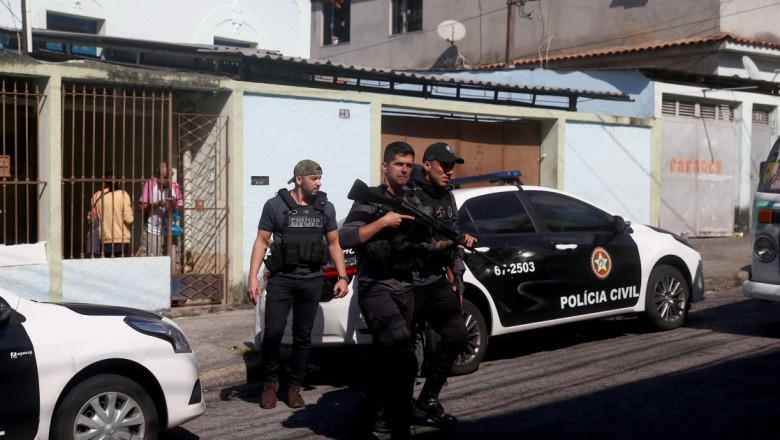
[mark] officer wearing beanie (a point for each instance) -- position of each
(437, 297)
(295, 222)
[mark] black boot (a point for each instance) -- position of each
(429, 409)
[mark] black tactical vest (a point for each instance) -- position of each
(400, 249)
(438, 206)
(303, 240)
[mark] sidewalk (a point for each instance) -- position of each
(223, 339)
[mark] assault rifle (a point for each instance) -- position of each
(360, 192)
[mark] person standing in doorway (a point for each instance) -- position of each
(296, 222)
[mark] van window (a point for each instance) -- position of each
(770, 172)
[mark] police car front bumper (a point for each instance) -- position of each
(757, 290)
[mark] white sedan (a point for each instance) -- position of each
(83, 371)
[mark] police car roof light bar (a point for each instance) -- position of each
(502, 177)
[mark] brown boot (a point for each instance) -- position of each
(268, 397)
(294, 399)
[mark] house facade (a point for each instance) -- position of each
(232, 123)
(463, 34)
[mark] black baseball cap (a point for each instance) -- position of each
(441, 152)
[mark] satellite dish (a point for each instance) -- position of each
(451, 30)
(751, 68)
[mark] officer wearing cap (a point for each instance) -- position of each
(295, 222)
(438, 287)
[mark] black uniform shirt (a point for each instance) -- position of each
(368, 275)
(440, 204)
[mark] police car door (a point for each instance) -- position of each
(506, 232)
(20, 397)
(596, 265)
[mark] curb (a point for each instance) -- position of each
(232, 375)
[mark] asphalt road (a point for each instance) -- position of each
(714, 378)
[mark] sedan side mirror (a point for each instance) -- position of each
(619, 224)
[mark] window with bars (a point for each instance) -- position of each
(406, 16)
(761, 116)
(702, 110)
(20, 187)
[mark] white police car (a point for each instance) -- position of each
(562, 260)
(72, 371)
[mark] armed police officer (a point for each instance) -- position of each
(438, 286)
(297, 221)
(389, 246)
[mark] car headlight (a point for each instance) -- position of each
(765, 249)
(160, 329)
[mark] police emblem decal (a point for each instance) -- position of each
(601, 263)
(440, 213)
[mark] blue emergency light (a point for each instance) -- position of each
(503, 177)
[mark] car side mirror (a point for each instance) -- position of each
(619, 224)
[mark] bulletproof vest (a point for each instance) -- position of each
(438, 206)
(304, 229)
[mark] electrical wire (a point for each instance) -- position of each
(7, 4)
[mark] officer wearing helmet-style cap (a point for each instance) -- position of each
(438, 288)
(441, 152)
(293, 224)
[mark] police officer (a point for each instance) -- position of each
(297, 220)
(389, 246)
(437, 297)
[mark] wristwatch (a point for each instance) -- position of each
(344, 277)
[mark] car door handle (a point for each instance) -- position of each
(565, 247)
(481, 250)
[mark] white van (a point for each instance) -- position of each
(764, 273)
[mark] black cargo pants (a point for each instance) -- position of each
(393, 364)
(438, 305)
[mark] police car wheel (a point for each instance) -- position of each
(108, 403)
(666, 301)
(476, 327)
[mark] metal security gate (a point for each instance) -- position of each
(202, 156)
(697, 168)
(130, 132)
(20, 184)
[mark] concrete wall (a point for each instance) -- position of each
(555, 27)
(611, 166)
(29, 281)
(266, 24)
(279, 132)
(755, 19)
(143, 283)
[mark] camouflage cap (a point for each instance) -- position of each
(306, 167)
